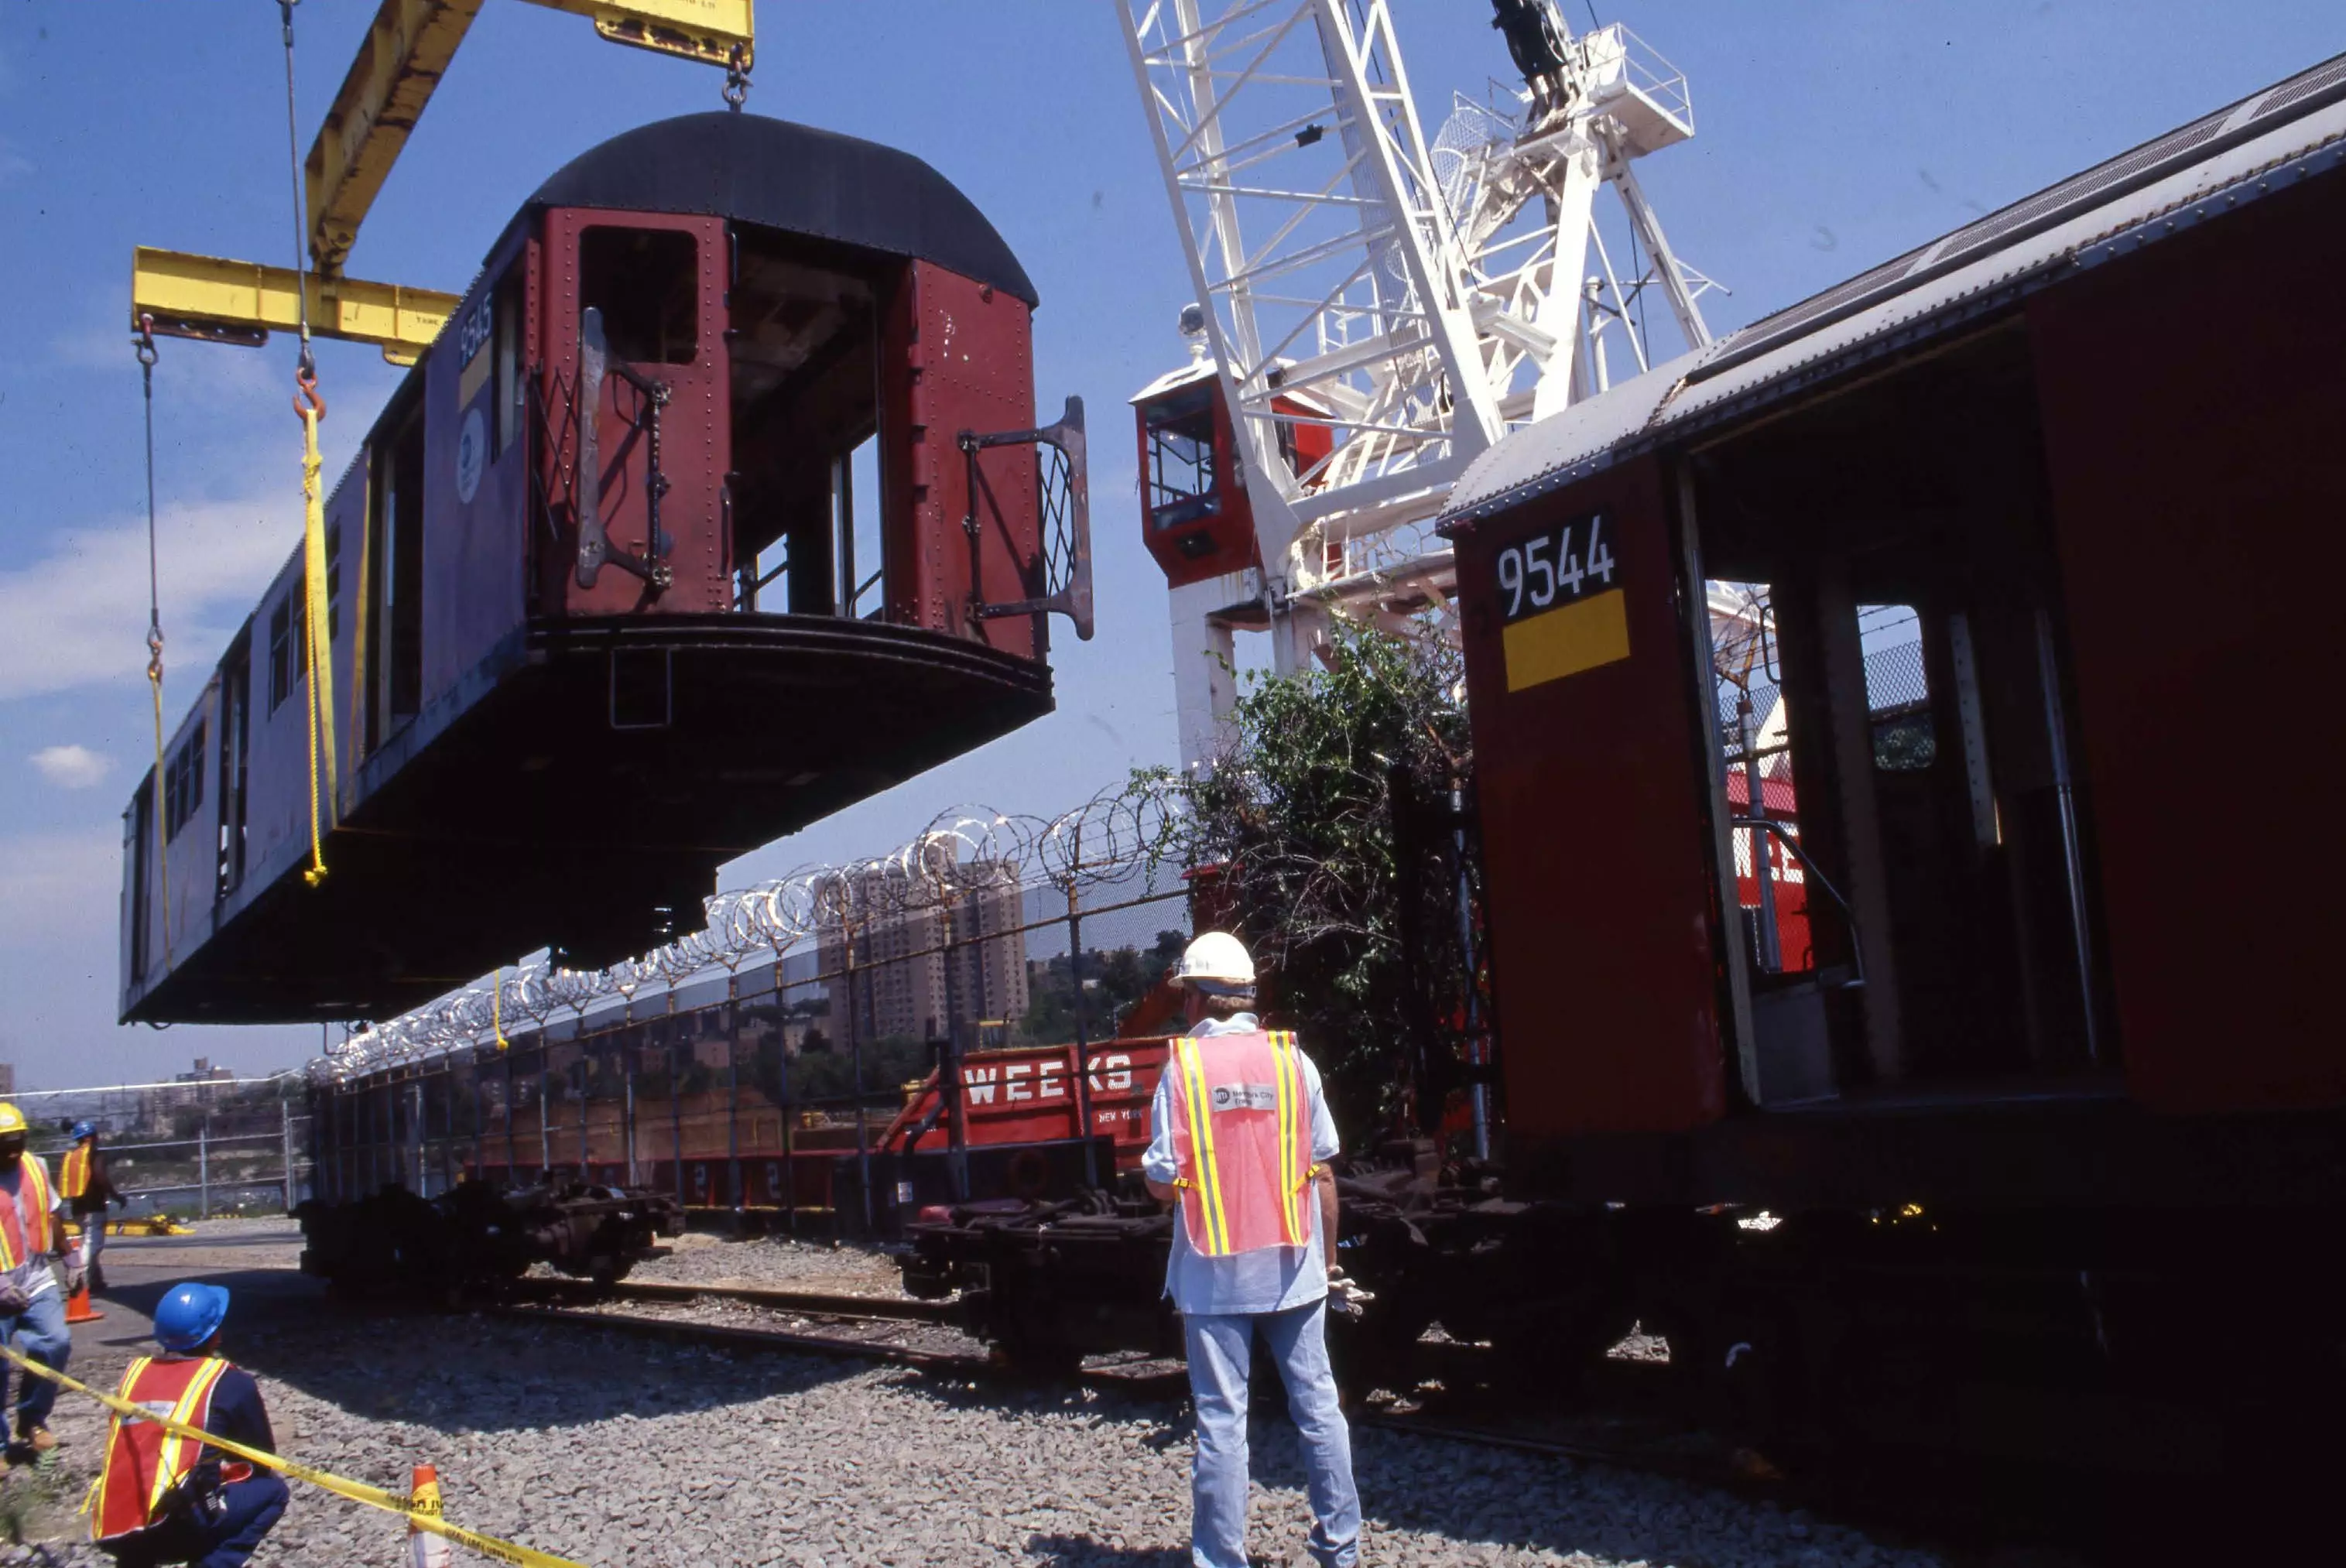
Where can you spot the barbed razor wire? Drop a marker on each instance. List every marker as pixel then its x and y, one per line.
pixel 1116 837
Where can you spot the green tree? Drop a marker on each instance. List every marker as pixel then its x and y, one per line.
pixel 1329 819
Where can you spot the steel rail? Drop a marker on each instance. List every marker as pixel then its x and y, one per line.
pixel 811 1303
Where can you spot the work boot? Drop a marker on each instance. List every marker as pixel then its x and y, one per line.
pixel 40 1439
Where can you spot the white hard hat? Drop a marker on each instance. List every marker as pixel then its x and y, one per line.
pixel 1216 959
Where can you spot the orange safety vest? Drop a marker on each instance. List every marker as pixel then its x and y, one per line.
pixel 73 1172
pixel 25 1223
pixel 144 1463
pixel 1241 1141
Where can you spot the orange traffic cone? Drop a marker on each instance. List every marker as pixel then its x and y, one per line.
pixel 77 1307
pixel 425 1549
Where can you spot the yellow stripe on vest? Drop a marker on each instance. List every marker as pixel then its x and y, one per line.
pixel 171 1464
pixel 1201 1146
pixel 1283 1097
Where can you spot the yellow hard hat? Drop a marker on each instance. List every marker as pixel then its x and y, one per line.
pixel 12 1120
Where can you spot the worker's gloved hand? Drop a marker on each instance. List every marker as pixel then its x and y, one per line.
pixel 12 1300
pixel 76 1277
pixel 1345 1294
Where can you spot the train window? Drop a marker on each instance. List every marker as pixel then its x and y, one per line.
pixel 509 391
pixel 285 662
pixel 645 281
pixel 858 519
pixel 1181 459
pixel 1897 687
pixel 183 783
pixel 235 738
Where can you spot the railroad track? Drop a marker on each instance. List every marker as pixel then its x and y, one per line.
pixel 578 1304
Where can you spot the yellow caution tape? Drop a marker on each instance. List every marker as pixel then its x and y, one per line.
pixel 427 1519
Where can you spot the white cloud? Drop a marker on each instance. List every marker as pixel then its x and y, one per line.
pixel 72 767
pixel 77 616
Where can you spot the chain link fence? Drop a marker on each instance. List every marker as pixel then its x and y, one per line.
pixel 881 1035
pixel 214 1147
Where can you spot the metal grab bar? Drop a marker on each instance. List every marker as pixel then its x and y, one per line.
pixel 1848 916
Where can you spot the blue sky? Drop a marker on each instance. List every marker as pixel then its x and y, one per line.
pixel 1831 136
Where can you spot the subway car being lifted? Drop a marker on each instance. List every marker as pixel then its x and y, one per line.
pixel 719 505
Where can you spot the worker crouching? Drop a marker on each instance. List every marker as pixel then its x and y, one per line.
pixel 163 1498
pixel 1242 1139
pixel 32 1312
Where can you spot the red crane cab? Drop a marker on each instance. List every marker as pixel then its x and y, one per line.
pixel 719 505
pixel 1196 518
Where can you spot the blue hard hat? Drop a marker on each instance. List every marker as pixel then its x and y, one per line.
pixel 189 1315
pixel 83 1130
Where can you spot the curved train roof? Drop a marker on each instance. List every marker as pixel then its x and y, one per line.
pixel 2290 131
pixel 794 178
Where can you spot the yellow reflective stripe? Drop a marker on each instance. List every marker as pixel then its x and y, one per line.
pixel 113 1436
pixel 1201 1147
pixel 175 1456
pixel 1283 1095
pixel 1209 1164
pixel 38 1243
pixel 1298 1138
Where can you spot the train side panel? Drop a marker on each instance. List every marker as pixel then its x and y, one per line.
pixel 476 475
pixel 1603 908
pixel 2198 482
pixel 957 356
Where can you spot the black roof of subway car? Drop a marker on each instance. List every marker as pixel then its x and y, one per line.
pixel 779 175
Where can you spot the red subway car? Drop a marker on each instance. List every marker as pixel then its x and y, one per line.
pixel 722 505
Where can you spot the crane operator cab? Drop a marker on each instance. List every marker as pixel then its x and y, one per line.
pixel 720 503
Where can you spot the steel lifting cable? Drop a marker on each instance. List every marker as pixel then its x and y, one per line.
pixel 159 802
pixel 310 407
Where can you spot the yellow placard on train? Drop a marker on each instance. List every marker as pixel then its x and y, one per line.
pixel 1567 640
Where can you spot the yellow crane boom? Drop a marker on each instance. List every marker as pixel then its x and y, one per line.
pixel 406 51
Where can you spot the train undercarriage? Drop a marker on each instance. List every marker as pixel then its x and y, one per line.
pixel 2124 1339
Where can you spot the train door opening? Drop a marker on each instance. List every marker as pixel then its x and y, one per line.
pixel 805 491
pixel 1897 743
pixel 396 579
pixel 235 755
pixel 138 854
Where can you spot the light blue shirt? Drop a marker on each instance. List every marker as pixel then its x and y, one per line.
pixel 1271 1280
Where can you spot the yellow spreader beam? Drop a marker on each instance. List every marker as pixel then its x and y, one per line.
pixel 243 302
pixel 407 49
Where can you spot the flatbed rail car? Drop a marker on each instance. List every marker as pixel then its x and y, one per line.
pixel 720 505
pixel 2047 1120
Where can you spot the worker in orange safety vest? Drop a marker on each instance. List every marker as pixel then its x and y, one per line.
pixel 1241 1137
pixel 32 1312
pixel 83 1180
pixel 165 1498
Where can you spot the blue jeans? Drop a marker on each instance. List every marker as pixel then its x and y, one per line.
pixel 1220 1363
pixel 247 1510
pixel 38 1333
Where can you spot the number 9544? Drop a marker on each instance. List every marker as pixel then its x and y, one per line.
pixel 1556 568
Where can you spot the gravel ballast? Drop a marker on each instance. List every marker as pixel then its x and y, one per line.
pixel 775 1263
pixel 611 1450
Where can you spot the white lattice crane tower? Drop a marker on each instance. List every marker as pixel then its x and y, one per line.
pixel 1410 301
